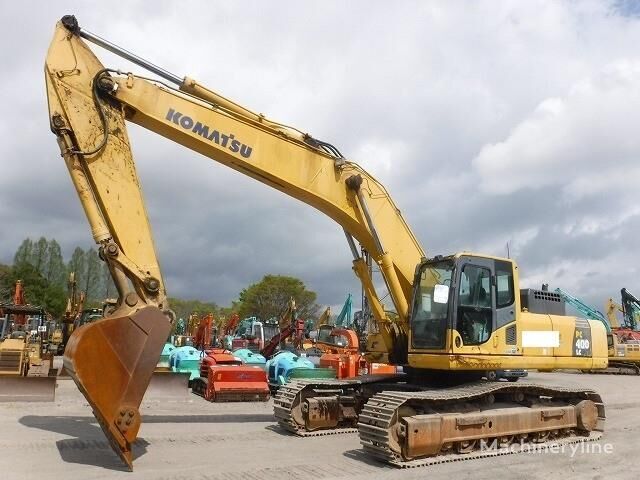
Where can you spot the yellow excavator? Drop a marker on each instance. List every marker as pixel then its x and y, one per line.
pixel 456 316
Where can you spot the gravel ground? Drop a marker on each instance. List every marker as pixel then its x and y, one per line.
pixel 194 439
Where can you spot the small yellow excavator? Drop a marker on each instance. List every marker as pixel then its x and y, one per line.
pixel 456 316
pixel 73 310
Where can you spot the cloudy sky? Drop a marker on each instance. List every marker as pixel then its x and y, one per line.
pixel 489 122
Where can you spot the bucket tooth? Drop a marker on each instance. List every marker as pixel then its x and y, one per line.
pixel 112 361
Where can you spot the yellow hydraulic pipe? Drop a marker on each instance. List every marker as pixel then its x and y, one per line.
pixel 99 229
pixel 362 272
pixel 393 284
pixel 192 87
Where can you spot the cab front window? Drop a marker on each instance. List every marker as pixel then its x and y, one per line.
pixel 431 305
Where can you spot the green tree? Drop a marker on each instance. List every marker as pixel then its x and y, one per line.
pixel 107 287
pixel 55 271
pixel 23 254
pixel 77 265
pixel 91 280
pixel 184 308
pixel 270 298
pixel 228 311
pixel 5 283
pixel 39 255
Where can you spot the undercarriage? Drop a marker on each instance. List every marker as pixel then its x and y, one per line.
pixel 408 425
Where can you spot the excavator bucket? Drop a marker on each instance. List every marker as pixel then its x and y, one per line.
pixel 112 361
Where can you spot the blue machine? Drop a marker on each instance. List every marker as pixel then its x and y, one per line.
pixel 583 309
pixel 186 359
pixel 250 358
pixel 286 365
pixel 164 356
pixel 344 318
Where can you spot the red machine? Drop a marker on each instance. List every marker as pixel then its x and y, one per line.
pixel 19 319
pixel 203 338
pixel 231 324
pixel 626 334
pixel 249 333
pixel 298 337
pixel 341 352
pixel 223 378
pixel 272 345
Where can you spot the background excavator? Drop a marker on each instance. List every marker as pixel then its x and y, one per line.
pixel 338 347
pixel 75 306
pixel 456 316
pixel 630 309
pixel 248 334
pixel 26 373
pixel 321 328
pixel 289 324
pixel 345 317
pixel 314 327
pixel 624 350
pixel 341 352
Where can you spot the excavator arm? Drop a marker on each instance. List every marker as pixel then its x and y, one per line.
pixel 202 336
pixel 89 106
pixel 612 309
pixel 288 323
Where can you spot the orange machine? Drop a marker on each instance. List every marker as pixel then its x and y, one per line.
pixel 231 324
pixel 18 299
pixel 341 352
pixel 223 377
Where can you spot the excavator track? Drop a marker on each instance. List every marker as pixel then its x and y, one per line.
pixel 618 368
pixel 284 403
pixel 380 415
pixel 289 397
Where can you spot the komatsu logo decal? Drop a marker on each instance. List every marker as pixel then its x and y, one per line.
pixel 205 131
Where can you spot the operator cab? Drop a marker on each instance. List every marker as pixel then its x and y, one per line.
pixel 466 294
pixel 89 315
pixel 324 334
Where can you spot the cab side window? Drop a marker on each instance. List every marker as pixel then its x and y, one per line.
pixel 504 284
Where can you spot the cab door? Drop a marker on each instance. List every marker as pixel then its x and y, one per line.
pixel 474 306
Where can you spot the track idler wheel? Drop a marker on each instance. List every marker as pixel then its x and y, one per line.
pixel 111 361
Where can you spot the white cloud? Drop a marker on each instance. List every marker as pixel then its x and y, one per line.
pixel 580 142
